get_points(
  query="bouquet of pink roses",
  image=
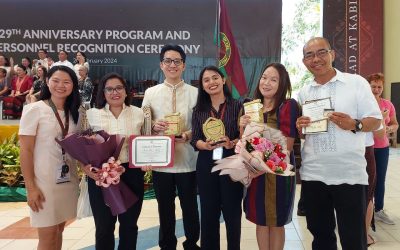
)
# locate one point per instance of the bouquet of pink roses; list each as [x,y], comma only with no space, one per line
[261,150]
[270,153]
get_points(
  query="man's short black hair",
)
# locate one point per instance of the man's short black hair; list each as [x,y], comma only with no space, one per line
[63,51]
[44,50]
[176,48]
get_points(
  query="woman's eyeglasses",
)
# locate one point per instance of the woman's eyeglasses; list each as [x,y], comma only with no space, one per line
[110,90]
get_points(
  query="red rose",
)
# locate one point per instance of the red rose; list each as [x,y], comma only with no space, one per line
[278,148]
[281,155]
[283,165]
[256,141]
[271,165]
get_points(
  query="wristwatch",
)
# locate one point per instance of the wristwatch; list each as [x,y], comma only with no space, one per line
[359,126]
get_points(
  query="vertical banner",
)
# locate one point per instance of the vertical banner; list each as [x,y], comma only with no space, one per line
[355,30]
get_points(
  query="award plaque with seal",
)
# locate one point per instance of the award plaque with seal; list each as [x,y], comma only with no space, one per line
[254,110]
[213,129]
[174,124]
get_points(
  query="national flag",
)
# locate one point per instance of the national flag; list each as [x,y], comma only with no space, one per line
[229,58]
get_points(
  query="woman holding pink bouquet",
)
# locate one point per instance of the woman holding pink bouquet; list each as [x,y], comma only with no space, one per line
[280,112]
[217,193]
[50,177]
[115,115]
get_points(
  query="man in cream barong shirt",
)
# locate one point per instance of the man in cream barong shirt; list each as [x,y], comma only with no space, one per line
[173,96]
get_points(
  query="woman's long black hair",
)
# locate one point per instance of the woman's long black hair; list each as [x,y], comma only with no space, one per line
[203,98]
[73,101]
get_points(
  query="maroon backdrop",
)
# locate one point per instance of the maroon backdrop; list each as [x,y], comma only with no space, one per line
[355,30]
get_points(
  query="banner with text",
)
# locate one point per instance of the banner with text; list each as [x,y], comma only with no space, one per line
[355,30]
[127,35]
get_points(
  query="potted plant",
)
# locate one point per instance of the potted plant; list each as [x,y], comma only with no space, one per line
[11,180]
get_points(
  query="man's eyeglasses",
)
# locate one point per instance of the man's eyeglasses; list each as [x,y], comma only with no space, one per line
[110,90]
[320,53]
[168,61]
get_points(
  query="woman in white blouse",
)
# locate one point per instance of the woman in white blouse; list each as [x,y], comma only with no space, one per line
[80,60]
[115,115]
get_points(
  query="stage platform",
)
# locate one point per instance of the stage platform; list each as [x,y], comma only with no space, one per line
[7,128]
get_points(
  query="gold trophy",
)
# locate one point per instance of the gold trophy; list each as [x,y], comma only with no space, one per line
[213,129]
[254,110]
[174,124]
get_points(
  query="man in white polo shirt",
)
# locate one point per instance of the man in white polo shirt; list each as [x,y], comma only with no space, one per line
[333,171]
[63,60]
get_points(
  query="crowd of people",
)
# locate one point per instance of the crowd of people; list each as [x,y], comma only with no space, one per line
[22,82]
[340,168]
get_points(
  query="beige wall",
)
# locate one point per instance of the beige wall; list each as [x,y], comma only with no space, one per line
[391,43]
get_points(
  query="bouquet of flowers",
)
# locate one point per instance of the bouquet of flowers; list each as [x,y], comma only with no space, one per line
[100,150]
[110,172]
[261,150]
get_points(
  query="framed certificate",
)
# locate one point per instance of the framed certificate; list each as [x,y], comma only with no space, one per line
[156,151]
[318,110]
[320,126]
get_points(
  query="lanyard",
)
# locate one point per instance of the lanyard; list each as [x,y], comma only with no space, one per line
[222,113]
[64,130]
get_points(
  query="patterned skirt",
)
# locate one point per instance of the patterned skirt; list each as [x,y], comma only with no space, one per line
[269,200]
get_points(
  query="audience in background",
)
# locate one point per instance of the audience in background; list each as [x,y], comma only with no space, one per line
[38,84]
[20,86]
[81,60]
[26,61]
[85,84]
[50,62]
[4,84]
[63,60]
[42,61]
[7,64]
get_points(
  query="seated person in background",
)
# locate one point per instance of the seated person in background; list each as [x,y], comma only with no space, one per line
[4,84]
[63,60]
[34,92]
[26,61]
[20,86]
[85,84]
[7,64]
[42,61]
[81,60]
[50,62]
[21,83]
